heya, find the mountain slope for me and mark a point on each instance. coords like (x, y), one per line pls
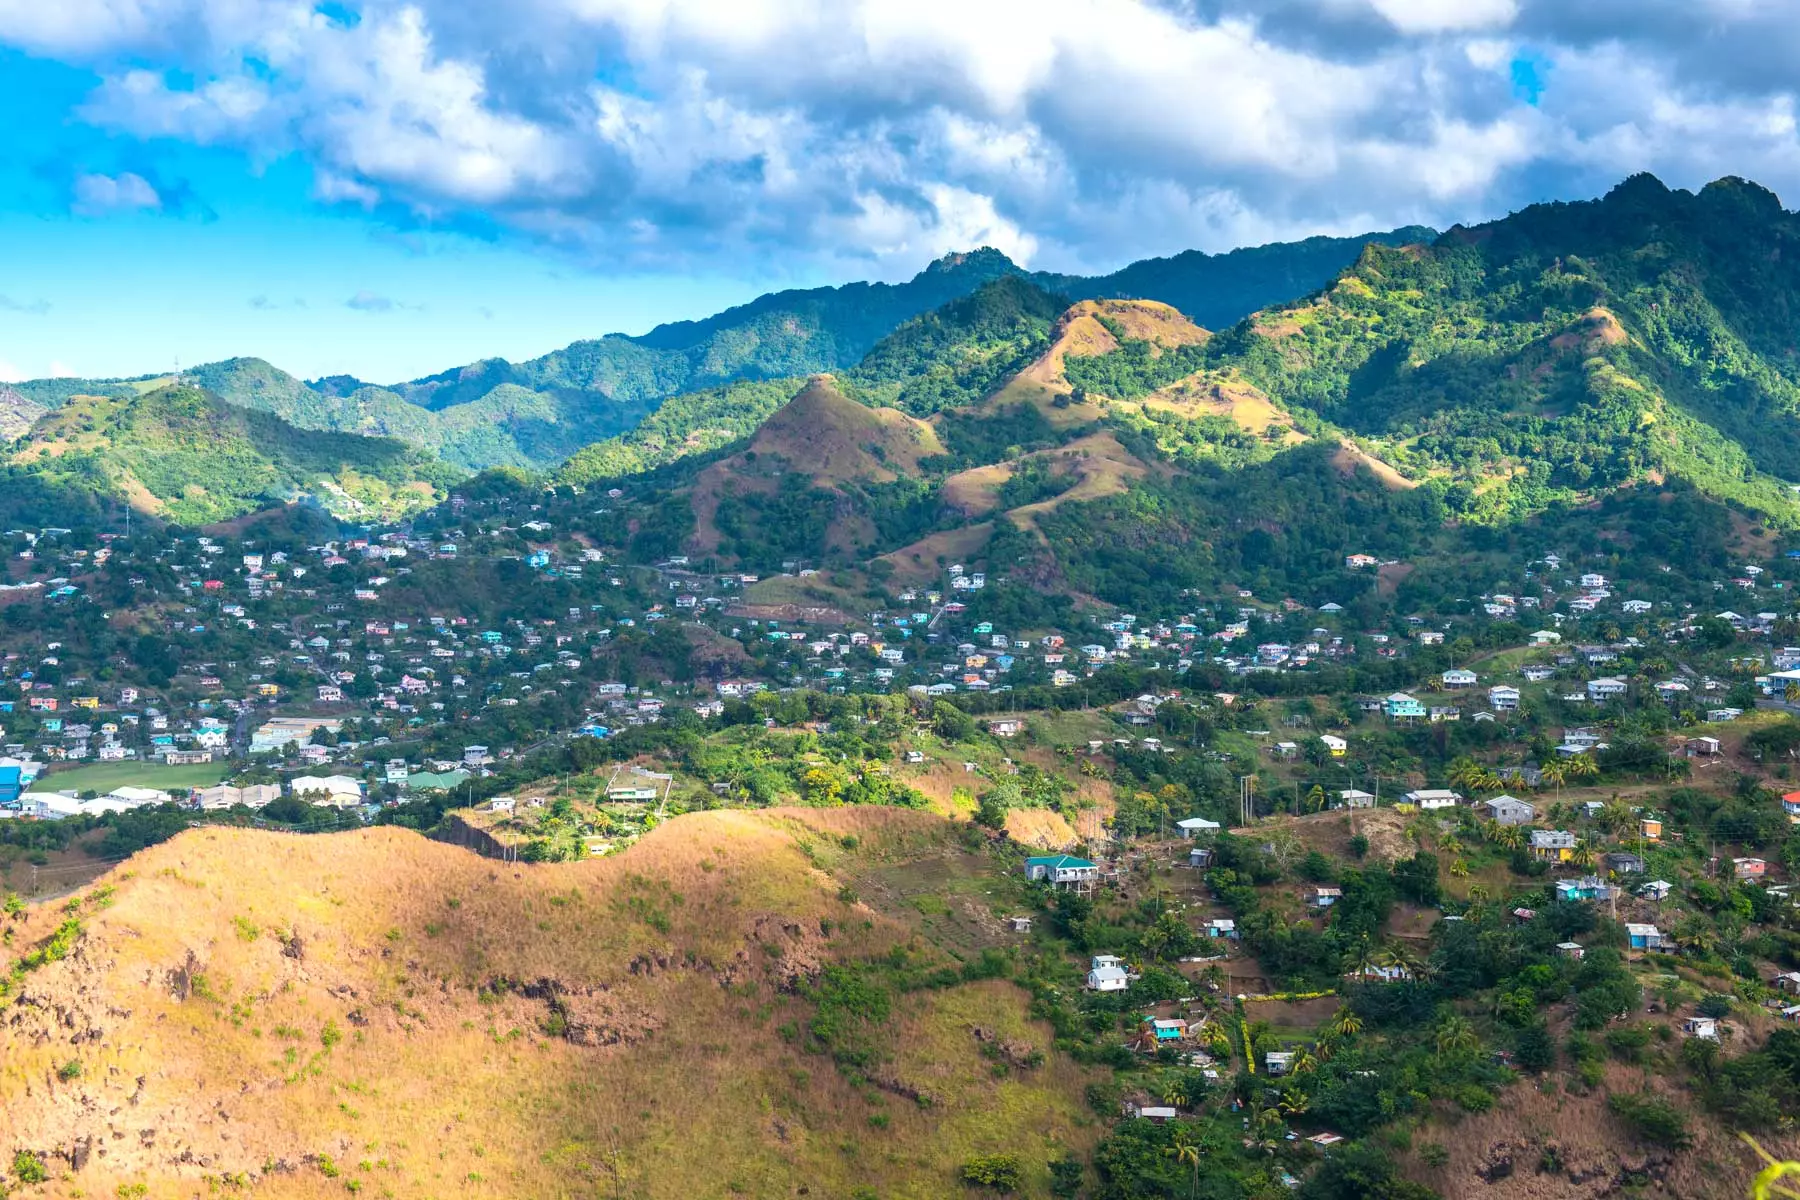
(539, 412)
(300, 1014)
(185, 454)
(1218, 290)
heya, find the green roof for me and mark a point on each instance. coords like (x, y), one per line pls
(425, 781)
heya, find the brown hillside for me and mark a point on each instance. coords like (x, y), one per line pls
(297, 1014)
(831, 437)
(826, 436)
(1079, 332)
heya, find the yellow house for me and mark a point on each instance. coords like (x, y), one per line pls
(86, 702)
(1650, 829)
(1337, 747)
(267, 689)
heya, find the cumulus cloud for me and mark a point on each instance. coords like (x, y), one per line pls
(1075, 133)
(98, 195)
(10, 373)
(34, 308)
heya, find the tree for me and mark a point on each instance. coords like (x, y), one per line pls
(1555, 772)
(1186, 1152)
(1583, 766)
(1345, 1022)
(1455, 1037)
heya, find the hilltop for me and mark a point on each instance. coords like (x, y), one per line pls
(541, 411)
(712, 1011)
(184, 454)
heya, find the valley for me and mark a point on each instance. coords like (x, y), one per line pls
(1315, 721)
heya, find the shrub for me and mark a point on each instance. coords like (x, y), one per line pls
(69, 1070)
(29, 1168)
(1652, 1119)
(1715, 1005)
(998, 1171)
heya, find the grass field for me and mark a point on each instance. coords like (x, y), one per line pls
(376, 1011)
(104, 777)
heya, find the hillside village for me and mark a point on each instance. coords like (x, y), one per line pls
(1047, 715)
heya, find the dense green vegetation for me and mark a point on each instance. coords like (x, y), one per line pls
(201, 460)
(692, 423)
(957, 355)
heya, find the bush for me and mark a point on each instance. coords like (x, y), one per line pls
(998, 1171)
(1628, 1042)
(1535, 1051)
(1716, 1006)
(1065, 1178)
(1652, 1119)
(29, 1168)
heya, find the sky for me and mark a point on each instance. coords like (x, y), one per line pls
(390, 188)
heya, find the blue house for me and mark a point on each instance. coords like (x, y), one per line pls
(11, 784)
(1590, 888)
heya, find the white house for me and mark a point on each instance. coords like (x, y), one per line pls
(1107, 974)
(1459, 678)
(1195, 826)
(1353, 798)
(1429, 799)
(334, 790)
(1606, 688)
(1503, 698)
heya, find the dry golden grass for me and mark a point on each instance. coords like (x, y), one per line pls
(1080, 333)
(825, 435)
(919, 562)
(301, 1012)
(1348, 458)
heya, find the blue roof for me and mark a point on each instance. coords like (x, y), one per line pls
(1057, 860)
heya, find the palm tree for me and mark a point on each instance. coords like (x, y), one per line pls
(1555, 772)
(1511, 837)
(1455, 1036)
(1304, 1061)
(1174, 1092)
(1187, 1152)
(1459, 867)
(1315, 799)
(1583, 766)
(1345, 1022)
(1465, 773)
(1294, 1102)
(1584, 855)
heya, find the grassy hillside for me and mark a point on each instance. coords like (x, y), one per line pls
(689, 424)
(713, 1012)
(188, 456)
(1562, 352)
(539, 412)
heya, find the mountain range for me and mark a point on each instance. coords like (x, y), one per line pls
(1567, 355)
(537, 413)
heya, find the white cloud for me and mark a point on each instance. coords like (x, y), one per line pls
(59, 370)
(98, 195)
(333, 188)
(1080, 132)
(1446, 16)
(10, 373)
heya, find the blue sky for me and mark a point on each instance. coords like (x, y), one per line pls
(389, 188)
(239, 259)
